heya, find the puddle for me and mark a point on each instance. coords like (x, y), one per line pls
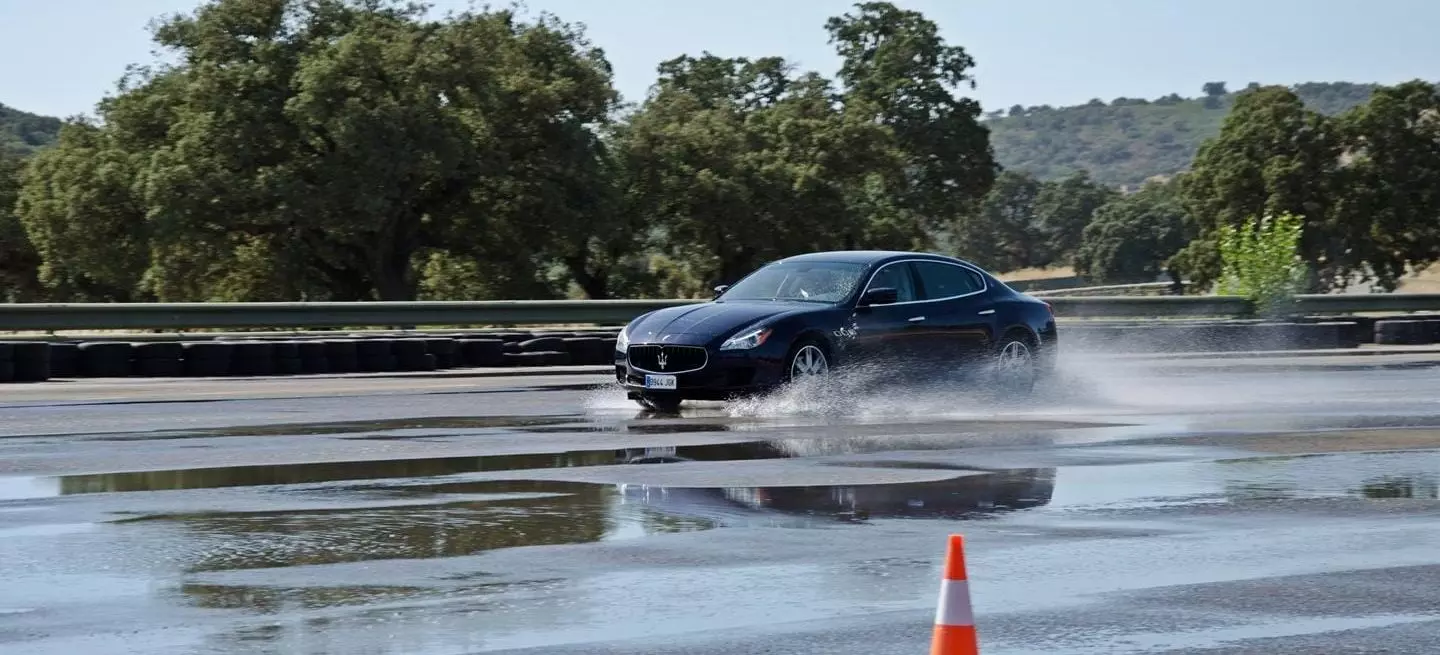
(425, 471)
(972, 496)
(555, 513)
(294, 474)
(1413, 475)
(356, 428)
(25, 488)
(278, 600)
(568, 513)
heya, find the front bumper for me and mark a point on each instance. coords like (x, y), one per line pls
(726, 375)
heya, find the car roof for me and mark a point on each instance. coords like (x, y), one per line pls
(866, 256)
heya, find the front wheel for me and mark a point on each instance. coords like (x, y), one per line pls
(808, 359)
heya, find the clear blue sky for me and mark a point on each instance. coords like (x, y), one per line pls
(59, 57)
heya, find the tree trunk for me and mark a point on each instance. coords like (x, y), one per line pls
(595, 285)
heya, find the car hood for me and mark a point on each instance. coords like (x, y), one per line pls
(701, 323)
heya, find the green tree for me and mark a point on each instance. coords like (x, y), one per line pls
(80, 210)
(1003, 233)
(328, 148)
(1272, 156)
(739, 161)
(1388, 208)
(896, 70)
(1062, 210)
(1132, 238)
(19, 263)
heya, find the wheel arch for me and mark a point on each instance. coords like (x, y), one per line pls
(1023, 328)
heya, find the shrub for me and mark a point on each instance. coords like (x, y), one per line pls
(1260, 260)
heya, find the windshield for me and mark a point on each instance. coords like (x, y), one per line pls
(826, 282)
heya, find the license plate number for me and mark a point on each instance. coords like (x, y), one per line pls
(659, 382)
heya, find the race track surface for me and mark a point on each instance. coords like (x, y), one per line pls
(1270, 505)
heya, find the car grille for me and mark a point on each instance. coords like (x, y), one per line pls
(677, 359)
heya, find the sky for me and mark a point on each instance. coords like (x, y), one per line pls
(59, 57)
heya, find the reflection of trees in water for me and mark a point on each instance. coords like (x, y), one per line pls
(954, 498)
(1417, 486)
(1258, 490)
(271, 600)
(263, 540)
(241, 476)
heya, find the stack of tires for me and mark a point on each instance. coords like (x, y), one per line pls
(261, 356)
(22, 361)
(1408, 332)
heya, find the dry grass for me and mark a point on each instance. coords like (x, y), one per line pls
(1427, 281)
(1028, 274)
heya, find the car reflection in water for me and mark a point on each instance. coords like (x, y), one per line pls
(972, 495)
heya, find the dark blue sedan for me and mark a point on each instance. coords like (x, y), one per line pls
(908, 313)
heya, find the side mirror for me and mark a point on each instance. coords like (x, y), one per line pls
(720, 290)
(880, 296)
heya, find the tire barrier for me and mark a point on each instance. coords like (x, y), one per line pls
(1211, 337)
(34, 361)
(1407, 332)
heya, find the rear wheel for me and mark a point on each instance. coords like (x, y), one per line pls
(1015, 365)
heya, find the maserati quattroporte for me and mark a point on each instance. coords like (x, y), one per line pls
(907, 313)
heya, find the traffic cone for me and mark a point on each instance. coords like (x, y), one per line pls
(954, 620)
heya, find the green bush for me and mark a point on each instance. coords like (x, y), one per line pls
(1261, 261)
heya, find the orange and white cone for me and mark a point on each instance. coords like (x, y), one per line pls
(954, 620)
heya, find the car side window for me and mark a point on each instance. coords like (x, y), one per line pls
(942, 280)
(897, 277)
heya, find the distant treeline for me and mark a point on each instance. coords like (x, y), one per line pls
(350, 150)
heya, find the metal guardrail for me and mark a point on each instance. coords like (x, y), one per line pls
(1362, 303)
(345, 315)
(1082, 291)
(176, 316)
(1147, 306)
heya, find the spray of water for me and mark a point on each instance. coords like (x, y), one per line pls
(1090, 378)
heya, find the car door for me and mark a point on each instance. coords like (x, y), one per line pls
(960, 319)
(887, 332)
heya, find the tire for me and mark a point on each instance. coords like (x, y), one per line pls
(289, 366)
(157, 367)
(807, 358)
(32, 361)
(482, 352)
(105, 359)
(542, 344)
(662, 404)
(64, 360)
(1014, 365)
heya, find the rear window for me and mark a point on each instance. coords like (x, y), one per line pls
(943, 280)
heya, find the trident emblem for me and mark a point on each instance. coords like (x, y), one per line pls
(661, 359)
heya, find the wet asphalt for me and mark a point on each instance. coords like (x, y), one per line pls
(1246, 505)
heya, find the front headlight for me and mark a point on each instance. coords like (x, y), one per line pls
(747, 340)
(622, 340)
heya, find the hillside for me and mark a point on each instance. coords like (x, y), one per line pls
(25, 132)
(1122, 142)
(1130, 139)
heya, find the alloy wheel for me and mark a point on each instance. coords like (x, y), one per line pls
(1015, 365)
(809, 361)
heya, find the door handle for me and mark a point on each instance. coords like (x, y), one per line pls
(987, 312)
(917, 319)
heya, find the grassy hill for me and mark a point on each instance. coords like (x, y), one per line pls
(1125, 141)
(25, 132)
(1122, 142)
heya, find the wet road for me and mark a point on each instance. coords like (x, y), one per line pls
(1238, 506)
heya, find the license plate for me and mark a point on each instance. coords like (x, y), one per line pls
(659, 382)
